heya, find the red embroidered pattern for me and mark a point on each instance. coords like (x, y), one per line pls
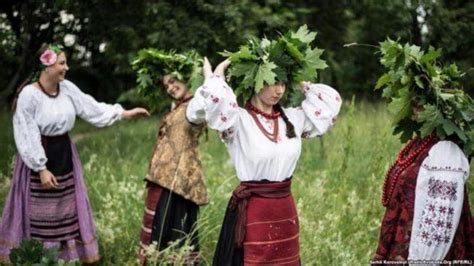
(320, 96)
(447, 168)
(223, 117)
(437, 224)
(442, 189)
(227, 134)
(215, 99)
(396, 226)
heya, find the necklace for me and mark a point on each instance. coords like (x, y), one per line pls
(405, 158)
(179, 102)
(253, 111)
(45, 92)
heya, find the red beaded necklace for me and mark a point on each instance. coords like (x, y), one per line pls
(404, 159)
(254, 109)
(45, 92)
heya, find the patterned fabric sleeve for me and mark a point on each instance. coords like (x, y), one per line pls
(318, 111)
(438, 201)
(97, 113)
(27, 133)
(215, 103)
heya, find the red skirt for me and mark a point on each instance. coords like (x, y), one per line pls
(271, 227)
(272, 232)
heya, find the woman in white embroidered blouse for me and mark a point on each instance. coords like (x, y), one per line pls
(47, 199)
(264, 143)
(427, 217)
(428, 214)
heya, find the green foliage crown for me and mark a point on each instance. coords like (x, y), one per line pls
(152, 64)
(289, 58)
(415, 79)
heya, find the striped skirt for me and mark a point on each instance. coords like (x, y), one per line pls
(53, 215)
(59, 217)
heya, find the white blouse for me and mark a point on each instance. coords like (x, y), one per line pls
(255, 157)
(438, 201)
(38, 114)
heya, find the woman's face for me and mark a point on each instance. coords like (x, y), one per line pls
(174, 87)
(58, 70)
(271, 94)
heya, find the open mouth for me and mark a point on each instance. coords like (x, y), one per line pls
(174, 92)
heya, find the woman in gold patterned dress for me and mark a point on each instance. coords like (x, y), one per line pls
(175, 183)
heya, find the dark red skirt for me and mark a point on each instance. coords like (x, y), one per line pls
(271, 232)
(395, 232)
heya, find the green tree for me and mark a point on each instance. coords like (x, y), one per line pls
(24, 27)
(451, 27)
(371, 22)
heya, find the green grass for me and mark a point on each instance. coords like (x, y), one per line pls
(337, 185)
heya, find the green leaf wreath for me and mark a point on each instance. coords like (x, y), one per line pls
(289, 58)
(152, 64)
(415, 79)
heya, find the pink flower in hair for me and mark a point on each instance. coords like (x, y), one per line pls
(48, 57)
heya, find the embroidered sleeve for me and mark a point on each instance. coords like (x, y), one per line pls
(26, 131)
(318, 112)
(97, 113)
(438, 201)
(215, 103)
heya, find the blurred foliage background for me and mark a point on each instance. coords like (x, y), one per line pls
(102, 37)
(339, 177)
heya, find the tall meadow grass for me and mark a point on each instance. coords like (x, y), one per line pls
(337, 185)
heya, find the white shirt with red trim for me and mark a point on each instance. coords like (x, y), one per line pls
(255, 156)
(439, 201)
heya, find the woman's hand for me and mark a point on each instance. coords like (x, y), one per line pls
(206, 69)
(304, 86)
(47, 179)
(135, 112)
(220, 69)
